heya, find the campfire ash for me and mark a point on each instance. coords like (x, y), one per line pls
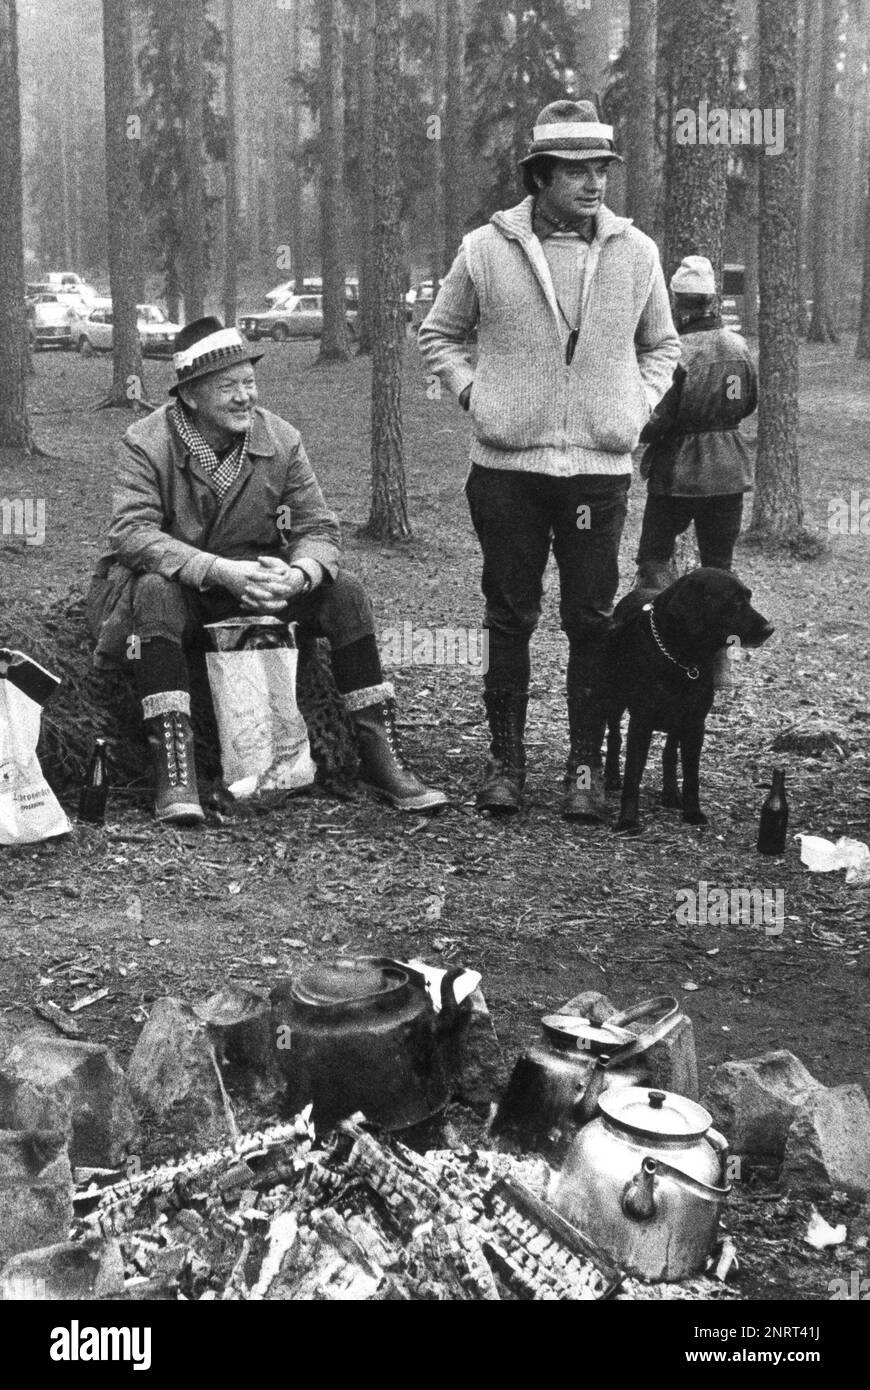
(278, 1214)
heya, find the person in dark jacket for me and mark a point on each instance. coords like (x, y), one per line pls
(698, 465)
(217, 513)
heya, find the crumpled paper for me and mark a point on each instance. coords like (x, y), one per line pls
(821, 856)
(820, 1234)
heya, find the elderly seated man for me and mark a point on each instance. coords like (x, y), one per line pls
(217, 513)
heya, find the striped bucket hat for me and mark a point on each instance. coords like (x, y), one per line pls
(571, 130)
(205, 346)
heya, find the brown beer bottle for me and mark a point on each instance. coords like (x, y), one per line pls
(95, 788)
(774, 817)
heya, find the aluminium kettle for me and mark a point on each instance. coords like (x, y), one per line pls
(643, 1180)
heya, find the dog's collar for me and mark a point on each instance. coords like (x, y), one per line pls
(691, 671)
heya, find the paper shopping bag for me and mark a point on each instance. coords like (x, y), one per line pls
(263, 737)
(29, 810)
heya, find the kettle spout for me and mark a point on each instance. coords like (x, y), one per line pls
(638, 1200)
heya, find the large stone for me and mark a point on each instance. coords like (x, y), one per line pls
(590, 1004)
(77, 1087)
(828, 1145)
(172, 1075)
(671, 1064)
(754, 1101)
(483, 1066)
(238, 1022)
(81, 1270)
(36, 1187)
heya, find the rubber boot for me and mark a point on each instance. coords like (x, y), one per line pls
(382, 766)
(583, 798)
(170, 745)
(505, 774)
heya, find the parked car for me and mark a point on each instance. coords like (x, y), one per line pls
(419, 300)
(63, 279)
(296, 316)
(49, 322)
(93, 331)
(314, 285)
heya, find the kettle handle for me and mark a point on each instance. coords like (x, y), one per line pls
(449, 1006)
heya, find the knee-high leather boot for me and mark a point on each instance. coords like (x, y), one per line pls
(505, 774)
(170, 745)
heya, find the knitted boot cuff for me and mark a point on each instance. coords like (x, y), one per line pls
(356, 700)
(166, 702)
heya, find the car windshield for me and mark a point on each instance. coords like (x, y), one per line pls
(149, 313)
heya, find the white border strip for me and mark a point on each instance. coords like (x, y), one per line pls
(573, 130)
(226, 338)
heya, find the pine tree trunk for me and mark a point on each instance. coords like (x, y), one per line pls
(14, 424)
(122, 203)
(593, 49)
(367, 19)
(334, 342)
(65, 188)
(296, 183)
(851, 180)
(809, 100)
(452, 129)
(777, 510)
(695, 210)
(823, 324)
(749, 318)
(641, 152)
(862, 348)
(192, 102)
(231, 210)
(388, 519)
(435, 131)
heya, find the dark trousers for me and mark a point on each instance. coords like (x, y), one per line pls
(517, 516)
(717, 526)
(169, 620)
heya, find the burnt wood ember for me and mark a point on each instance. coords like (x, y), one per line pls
(358, 1217)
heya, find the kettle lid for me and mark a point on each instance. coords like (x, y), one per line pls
(349, 980)
(650, 1112)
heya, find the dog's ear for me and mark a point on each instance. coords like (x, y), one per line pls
(685, 606)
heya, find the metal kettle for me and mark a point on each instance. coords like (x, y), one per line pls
(643, 1180)
(362, 1034)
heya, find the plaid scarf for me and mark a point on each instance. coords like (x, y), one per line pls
(545, 226)
(222, 469)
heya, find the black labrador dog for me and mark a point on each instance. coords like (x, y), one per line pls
(659, 663)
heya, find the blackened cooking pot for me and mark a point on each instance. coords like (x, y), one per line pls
(363, 1035)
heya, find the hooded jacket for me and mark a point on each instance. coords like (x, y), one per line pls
(696, 448)
(531, 410)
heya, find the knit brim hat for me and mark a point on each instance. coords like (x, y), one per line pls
(205, 346)
(694, 275)
(571, 130)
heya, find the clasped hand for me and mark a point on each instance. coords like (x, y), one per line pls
(269, 584)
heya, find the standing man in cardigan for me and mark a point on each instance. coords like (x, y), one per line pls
(576, 347)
